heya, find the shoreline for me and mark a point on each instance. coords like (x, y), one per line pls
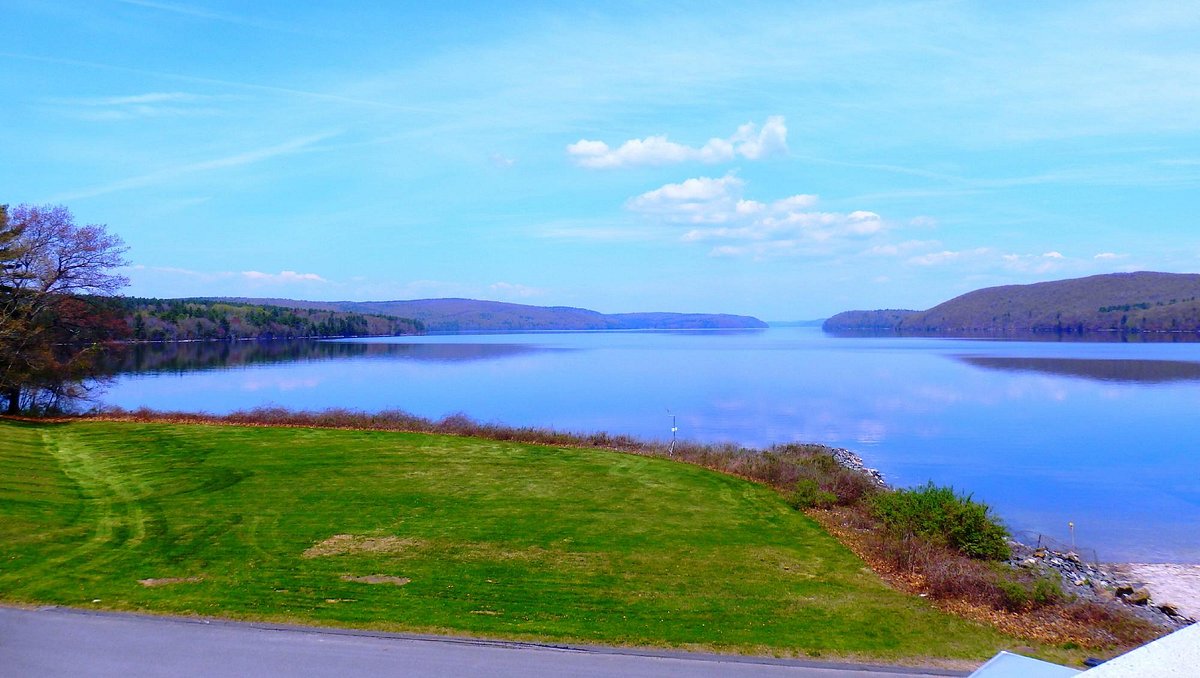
(1167, 594)
(1173, 585)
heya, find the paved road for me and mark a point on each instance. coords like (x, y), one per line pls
(63, 642)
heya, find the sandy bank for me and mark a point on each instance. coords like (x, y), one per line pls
(1178, 585)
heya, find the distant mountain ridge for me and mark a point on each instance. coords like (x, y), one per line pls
(451, 315)
(1115, 302)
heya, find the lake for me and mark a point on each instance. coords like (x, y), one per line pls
(1102, 435)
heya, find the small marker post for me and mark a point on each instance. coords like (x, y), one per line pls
(674, 430)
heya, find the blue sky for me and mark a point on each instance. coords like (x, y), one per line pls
(782, 159)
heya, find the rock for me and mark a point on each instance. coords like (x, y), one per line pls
(1139, 597)
(1169, 610)
(1124, 590)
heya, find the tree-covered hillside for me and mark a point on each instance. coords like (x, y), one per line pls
(1117, 302)
(461, 315)
(209, 320)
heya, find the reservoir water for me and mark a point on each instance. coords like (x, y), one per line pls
(1101, 435)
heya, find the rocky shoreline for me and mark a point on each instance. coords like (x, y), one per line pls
(854, 462)
(1106, 583)
(1099, 582)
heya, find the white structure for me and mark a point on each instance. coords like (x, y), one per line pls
(1009, 665)
(1173, 656)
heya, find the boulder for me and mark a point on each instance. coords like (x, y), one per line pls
(1138, 597)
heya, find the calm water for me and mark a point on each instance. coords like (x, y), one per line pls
(1104, 435)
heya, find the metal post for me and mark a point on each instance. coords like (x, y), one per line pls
(674, 430)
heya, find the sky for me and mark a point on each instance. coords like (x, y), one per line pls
(787, 160)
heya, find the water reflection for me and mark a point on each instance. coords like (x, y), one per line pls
(178, 358)
(1098, 439)
(1124, 371)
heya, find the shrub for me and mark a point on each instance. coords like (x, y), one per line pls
(1047, 590)
(808, 494)
(944, 517)
(1015, 595)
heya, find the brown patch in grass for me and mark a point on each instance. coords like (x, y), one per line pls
(376, 579)
(167, 581)
(346, 544)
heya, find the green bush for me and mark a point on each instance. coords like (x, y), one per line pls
(1047, 590)
(944, 517)
(808, 494)
(1014, 595)
(1026, 593)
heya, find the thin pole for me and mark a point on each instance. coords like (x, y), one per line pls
(674, 430)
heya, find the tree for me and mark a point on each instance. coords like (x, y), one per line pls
(54, 278)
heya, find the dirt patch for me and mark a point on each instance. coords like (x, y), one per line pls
(167, 581)
(346, 544)
(376, 579)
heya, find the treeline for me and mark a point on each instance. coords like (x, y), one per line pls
(210, 320)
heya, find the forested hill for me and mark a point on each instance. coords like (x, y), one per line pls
(1116, 302)
(209, 320)
(450, 315)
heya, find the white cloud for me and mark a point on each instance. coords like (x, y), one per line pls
(699, 200)
(740, 226)
(749, 142)
(948, 256)
(753, 143)
(982, 258)
(283, 277)
(1108, 256)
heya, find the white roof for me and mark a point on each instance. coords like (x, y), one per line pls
(1009, 665)
(1176, 655)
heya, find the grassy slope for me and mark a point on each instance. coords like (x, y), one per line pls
(497, 538)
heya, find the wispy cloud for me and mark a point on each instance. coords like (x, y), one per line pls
(170, 173)
(257, 278)
(232, 84)
(595, 230)
(210, 15)
(128, 107)
(990, 258)
(282, 277)
(749, 142)
(515, 290)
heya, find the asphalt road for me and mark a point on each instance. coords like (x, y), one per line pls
(48, 642)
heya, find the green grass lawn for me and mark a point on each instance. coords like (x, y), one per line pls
(495, 539)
